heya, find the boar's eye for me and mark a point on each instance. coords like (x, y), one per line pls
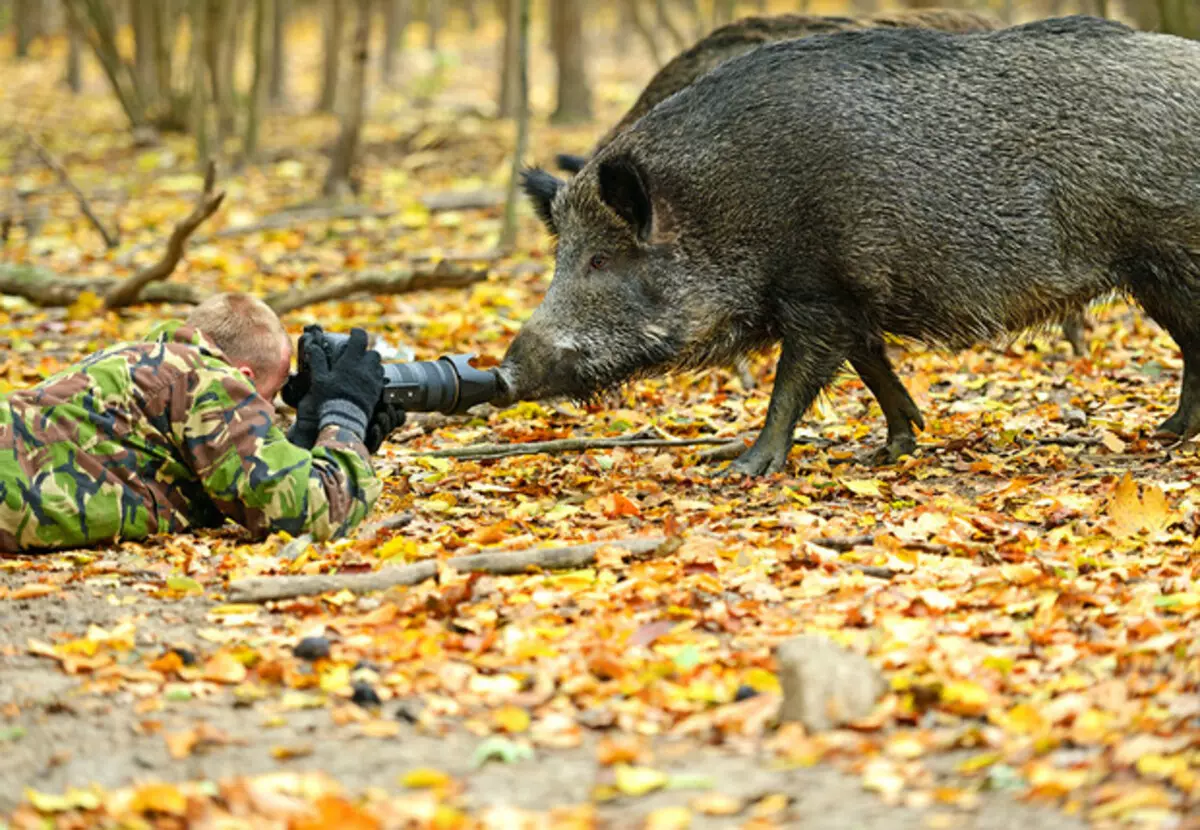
(599, 262)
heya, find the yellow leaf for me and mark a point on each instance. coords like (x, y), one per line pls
(159, 798)
(864, 487)
(511, 718)
(979, 762)
(398, 547)
(380, 729)
(335, 678)
(72, 799)
(1128, 514)
(669, 818)
(86, 306)
(1053, 782)
(717, 804)
(287, 753)
(1139, 799)
(425, 778)
(762, 681)
(965, 698)
(637, 781)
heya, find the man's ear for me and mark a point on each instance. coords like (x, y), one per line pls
(623, 188)
(541, 188)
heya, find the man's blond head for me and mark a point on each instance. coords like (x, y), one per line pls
(246, 330)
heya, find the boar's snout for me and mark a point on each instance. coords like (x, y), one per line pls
(536, 366)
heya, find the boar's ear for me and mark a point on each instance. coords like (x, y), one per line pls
(541, 188)
(623, 188)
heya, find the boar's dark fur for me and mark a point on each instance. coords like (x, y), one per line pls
(741, 36)
(824, 192)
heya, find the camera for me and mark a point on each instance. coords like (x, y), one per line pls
(450, 384)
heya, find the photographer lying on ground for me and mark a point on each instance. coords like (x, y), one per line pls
(175, 432)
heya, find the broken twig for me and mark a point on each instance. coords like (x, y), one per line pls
(490, 451)
(111, 239)
(127, 292)
(266, 588)
(398, 281)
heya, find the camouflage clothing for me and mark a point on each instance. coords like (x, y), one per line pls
(164, 435)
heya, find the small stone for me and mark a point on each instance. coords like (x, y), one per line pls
(1073, 417)
(409, 711)
(824, 685)
(312, 649)
(186, 656)
(365, 695)
(744, 692)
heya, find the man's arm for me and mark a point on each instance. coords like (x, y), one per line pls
(258, 478)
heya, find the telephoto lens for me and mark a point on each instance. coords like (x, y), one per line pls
(450, 384)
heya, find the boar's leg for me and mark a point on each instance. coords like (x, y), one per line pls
(1073, 329)
(1171, 295)
(805, 367)
(898, 407)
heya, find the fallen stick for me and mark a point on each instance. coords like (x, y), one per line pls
(111, 240)
(397, 281)
(127, 292)
(47, 289)
(489, 451)
(267, 588)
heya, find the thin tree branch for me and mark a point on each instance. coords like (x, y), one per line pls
(398, 281)
(490, 451)
(47, 289)
(207, 202)
(266, 588)
(111, 239)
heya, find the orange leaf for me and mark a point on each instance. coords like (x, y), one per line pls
(616, 505)
(37, 589)
(159, 798)
(336, 813)
(223, 667)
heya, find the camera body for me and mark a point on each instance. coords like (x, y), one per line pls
(450, 384)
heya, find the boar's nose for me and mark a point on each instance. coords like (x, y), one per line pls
(535, 366)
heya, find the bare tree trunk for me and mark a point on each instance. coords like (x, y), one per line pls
(337, 181)
(278, 84)
(433, 23)
(472, 12)
(574, 92)
(644, 30)
(93, 19)
(74, 68)
(199, 103)
(723, 12)
(162, 20)
(665, 22)
(23, 12)
(145, 48)
(511, 57)
(334, 23)
(258, 87)
(395, 21)
(508, 234)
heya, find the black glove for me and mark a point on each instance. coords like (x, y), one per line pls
(387, 419)
(346, 392)
(304, 430)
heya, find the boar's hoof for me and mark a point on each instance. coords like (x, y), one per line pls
(1178, 428)
(759, 460)
(893, 451)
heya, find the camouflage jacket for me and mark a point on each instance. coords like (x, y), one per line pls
(164, 435)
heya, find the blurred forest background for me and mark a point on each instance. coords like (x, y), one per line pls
(215, 69)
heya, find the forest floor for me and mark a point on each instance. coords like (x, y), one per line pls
(1027, 582)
